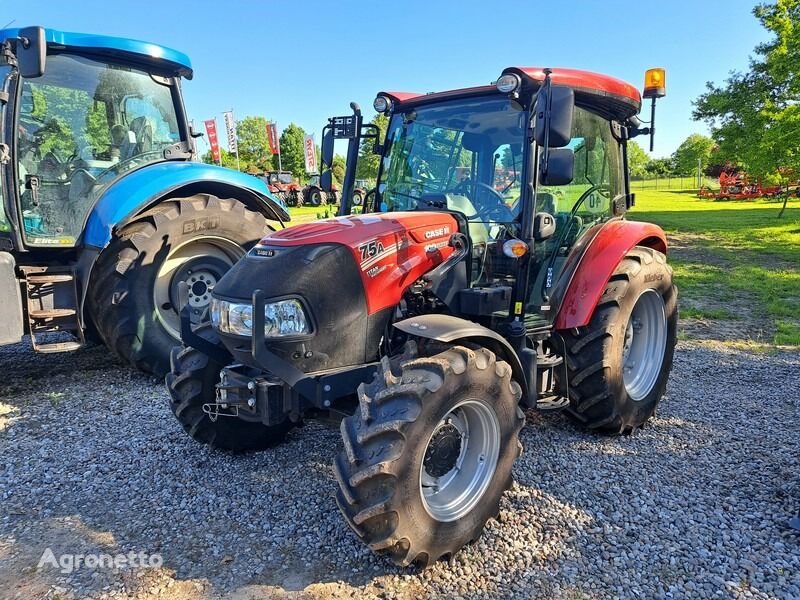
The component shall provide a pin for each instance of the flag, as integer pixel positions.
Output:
(310, 152)
(230, 125)
(211, 130)
(274, 140)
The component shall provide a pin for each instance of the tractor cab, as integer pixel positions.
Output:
(280, 177)
(87, 120)
(96, 149)
(468, 152)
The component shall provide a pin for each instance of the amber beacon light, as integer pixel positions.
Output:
(655, 83)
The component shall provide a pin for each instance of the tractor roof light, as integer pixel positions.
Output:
(655, 83)
(515, 248)
(508, 83)
(382, 104)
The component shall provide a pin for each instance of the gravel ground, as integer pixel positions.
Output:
(695, 505)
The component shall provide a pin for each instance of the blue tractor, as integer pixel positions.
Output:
(105, 210)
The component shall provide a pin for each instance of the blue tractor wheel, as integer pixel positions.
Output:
(133, 291)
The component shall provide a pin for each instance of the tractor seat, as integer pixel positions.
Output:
(139, 139)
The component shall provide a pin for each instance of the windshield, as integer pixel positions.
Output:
(463, 155)
(82, 125)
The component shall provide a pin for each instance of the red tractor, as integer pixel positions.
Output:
(434, 320)
(314, 195)
(361, 188)
(283, 185)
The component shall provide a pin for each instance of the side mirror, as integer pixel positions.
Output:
(31, 52)
(559, 102)
(544, 226)
(326, 181)
(327, 147)
(560, 168)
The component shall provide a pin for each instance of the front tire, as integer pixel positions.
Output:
(429, 453)
(132, 295)
(620, 362)
(191, 384)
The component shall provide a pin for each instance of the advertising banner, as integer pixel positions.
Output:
(310, 152)
(230, 126)
(211, 130)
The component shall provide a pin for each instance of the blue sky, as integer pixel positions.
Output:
(304, 61)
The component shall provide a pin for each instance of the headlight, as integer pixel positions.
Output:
(508, 83)
(281, 319)
(382, 104)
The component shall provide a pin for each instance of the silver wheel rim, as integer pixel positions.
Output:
(450, 495)
(218, 252)
(645, 345)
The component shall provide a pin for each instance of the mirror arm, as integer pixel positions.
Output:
(8, 54)
(350, 165)
(546, 87)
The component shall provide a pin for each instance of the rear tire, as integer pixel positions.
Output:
(191, 383)
(132, 295)
(315, 197)
(398, 449)
(609, 390)
(358, 198)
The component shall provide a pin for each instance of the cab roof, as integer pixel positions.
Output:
(614, 96)
(125, 49)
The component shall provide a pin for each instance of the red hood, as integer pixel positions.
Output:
(393, 250)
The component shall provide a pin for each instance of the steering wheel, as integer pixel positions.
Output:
(500, 212)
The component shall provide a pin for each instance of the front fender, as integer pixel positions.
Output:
(597, 264)
(140, 189)
(448, 329)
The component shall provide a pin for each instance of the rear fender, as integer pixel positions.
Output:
(597, 264)
(143, 188)
(449, 329)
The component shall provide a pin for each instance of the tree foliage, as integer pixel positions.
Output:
(659, 166)
(254, 154)
(338, 168)
(292, 155)
(368, 161)
(694, 148)
(637, 160)
(755, 116)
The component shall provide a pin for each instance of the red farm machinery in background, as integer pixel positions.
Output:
(737, 186)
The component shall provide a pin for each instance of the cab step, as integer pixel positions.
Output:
(52, 307)
(52, 313)
(551, 403)
(39, 279)
(53, 347)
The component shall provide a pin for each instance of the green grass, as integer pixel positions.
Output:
(734, 250)
(306, 214)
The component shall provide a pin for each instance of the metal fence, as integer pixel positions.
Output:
(672, 182)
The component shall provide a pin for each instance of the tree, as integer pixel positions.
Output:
(292, 154)
(659, 166)
(755, 116)
(637, 160)
(228, 160)
(368, 161)
(254, 154)
(694, 148)
(338, 168)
